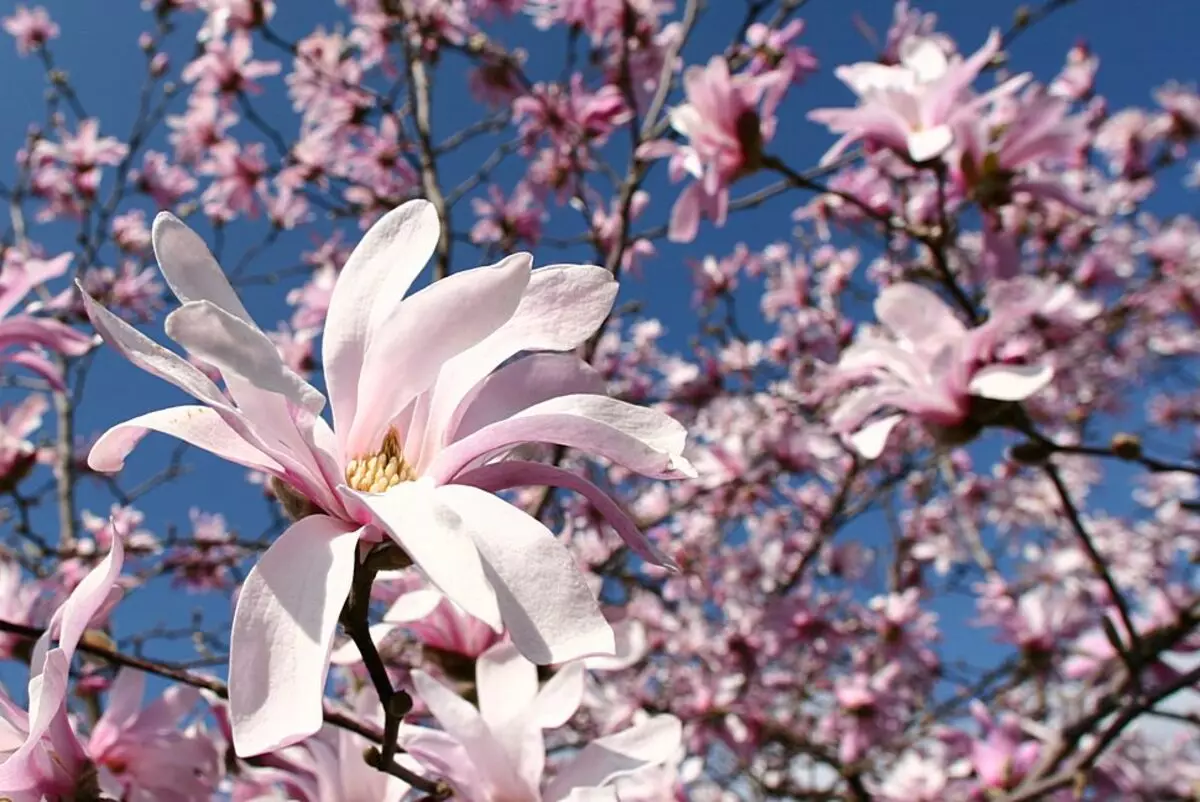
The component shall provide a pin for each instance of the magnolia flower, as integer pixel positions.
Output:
(931, 368)
(911, 107)
(328, 767)
(39, 752)
(21, 331)
(423, 416)
(497, 752)
(144, 753)
(726, 120)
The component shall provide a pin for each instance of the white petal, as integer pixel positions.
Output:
(380, 270)
(871, 439)
(190, 269)
(1010, 382)
(441, 541)
(650, 743)
(283, 629)
(545, 602)
(240, 351)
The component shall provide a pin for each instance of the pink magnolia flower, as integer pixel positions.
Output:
(39, 752)
(772, 49)
(238, 180)
(32, 28)
(726, 120)
(228, 68)
(423, 416)
(19, 332)
(164, 182)
(497, 751)
(911, 107)
(931, 369)
(201, 127)
(145, 754)
(328, 767)
(1036, 132)
(508, 221)
(1005, 756)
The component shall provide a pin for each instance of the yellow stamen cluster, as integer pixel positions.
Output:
(375, 473)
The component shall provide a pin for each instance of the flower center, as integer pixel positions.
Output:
(375, 473)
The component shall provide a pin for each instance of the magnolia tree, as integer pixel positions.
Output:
(897, 502)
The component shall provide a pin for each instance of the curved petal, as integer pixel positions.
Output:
(195, 425)
(380, 270)
(406, 352)
(150, 356)
(652, 742)
(561, 307)
(519, 385)
(917, 314)
(283, 628)
(544, 600)
(506, 684)
(490, 755)
(560, 697)
(440, 540)
(189, 267)
(124, 702)
(240, 350)
(444, 754)
(1010, 382)
(870, 440)
(929, 143)
(640, 438)
(515, 473)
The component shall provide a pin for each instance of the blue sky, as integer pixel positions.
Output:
(98, 47)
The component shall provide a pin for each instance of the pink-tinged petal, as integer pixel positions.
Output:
(1010, 382)
(561, 307)
(653, 742)
(641, 439)
(684, 224)
(35, 362)
(917, 315)
(19, 283)
(150, 356)
(519, 385)
(445, 756)
(632, 645)
(123, 704)
(870, 440)
(461, 721)
(283, 628)
(929, 143)
(14, 723)
(95, 591)
(190, 269)
(53, 334)
(506, 684)
(508, 474)
(544, 600)
(240, 351)
(195, 425)
(380, 270)
(47, 692)
(560, 697)
(431, 327)
(428, 525)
